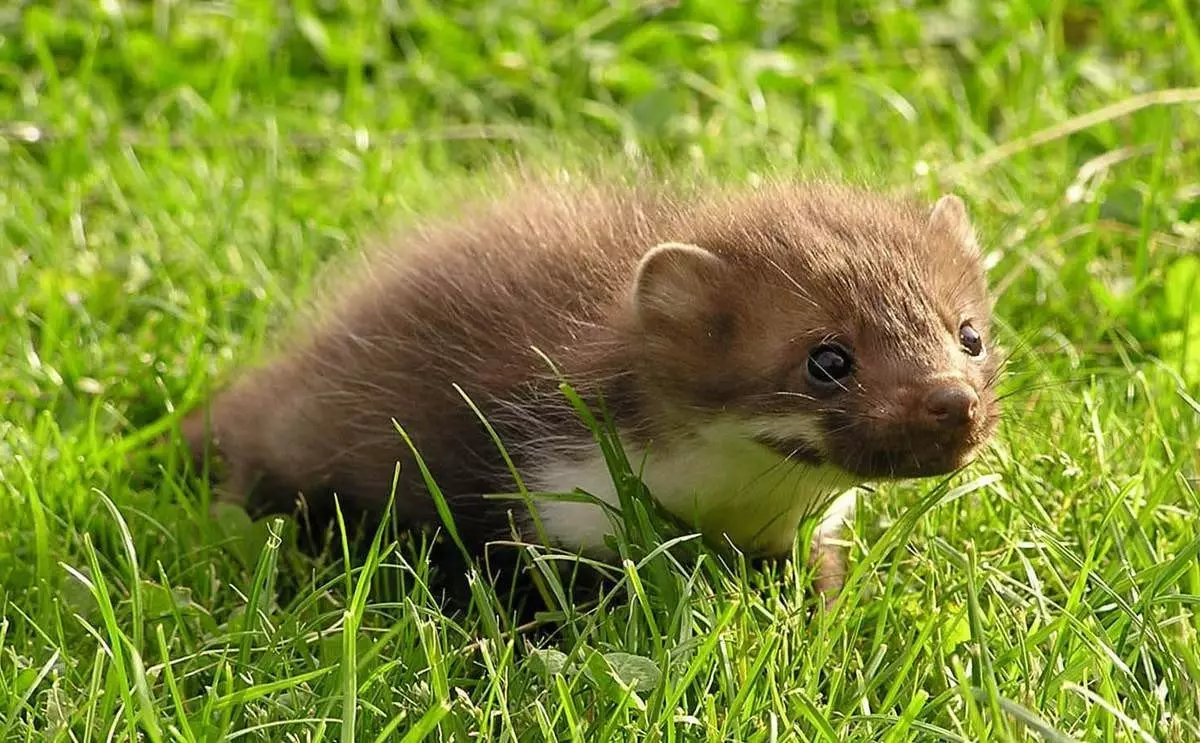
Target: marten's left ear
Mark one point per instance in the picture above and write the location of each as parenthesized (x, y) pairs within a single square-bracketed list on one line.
[(676, 286), (949, 217)]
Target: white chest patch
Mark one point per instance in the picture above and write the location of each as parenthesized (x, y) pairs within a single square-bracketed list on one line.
[(724, 484)]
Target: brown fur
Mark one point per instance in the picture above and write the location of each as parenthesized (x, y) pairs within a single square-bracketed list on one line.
[(556, 268)]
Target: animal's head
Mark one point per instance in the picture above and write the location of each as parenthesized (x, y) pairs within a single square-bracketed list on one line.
[(829, 325)]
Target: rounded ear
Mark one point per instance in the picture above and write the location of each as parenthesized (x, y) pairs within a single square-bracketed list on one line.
[(949, 217), (676, 283)]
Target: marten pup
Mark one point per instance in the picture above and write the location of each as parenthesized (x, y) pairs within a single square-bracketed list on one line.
[(759, 351)]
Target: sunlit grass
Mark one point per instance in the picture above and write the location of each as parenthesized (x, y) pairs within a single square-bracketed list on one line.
[(173, 175)]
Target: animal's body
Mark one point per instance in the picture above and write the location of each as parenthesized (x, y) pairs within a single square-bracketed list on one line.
[(759, 350)]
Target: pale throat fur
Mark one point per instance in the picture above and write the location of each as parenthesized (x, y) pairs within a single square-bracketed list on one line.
[(719, 481)]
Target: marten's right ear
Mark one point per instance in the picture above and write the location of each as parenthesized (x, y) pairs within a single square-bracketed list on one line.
[(676, 285), (949, 217)]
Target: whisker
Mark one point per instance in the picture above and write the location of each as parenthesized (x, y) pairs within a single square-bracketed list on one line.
[(801, 395)]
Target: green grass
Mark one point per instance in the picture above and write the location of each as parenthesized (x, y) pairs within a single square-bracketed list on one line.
[(173, 174)]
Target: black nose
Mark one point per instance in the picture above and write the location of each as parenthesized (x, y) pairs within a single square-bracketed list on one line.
[(952, 405)]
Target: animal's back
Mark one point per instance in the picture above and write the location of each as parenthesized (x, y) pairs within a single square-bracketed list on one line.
[(450, 306)]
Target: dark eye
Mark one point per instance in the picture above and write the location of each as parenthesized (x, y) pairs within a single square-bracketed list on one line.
[(970, 339), (827, 363)]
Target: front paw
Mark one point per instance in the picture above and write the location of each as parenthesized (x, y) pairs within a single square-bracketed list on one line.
[(829, 562)]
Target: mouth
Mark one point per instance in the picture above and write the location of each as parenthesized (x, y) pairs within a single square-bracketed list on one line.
[(792, 450), (911, 462)]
